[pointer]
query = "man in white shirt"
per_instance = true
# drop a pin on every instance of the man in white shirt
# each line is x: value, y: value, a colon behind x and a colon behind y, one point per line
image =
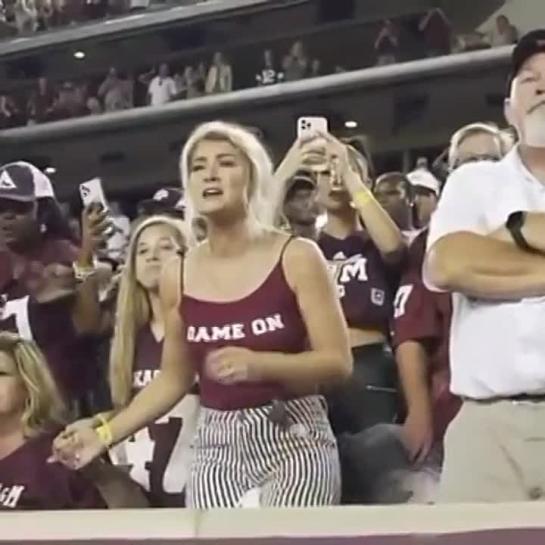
x: 487, y: 246
x: 162, y: 88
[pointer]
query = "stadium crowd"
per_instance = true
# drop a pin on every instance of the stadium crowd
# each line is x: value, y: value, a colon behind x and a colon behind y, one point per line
x: 120, y: 90
x: 283, y: 337
x: 24, y: 17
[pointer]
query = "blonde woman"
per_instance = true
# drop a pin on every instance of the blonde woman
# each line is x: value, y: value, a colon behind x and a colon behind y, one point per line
x: 258, y: 320
x: 30, y: 414
x: 158, y: 455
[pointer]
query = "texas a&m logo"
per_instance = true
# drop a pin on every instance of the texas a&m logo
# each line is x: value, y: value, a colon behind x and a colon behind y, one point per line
x: 347, y: 269
x: 10, y: 495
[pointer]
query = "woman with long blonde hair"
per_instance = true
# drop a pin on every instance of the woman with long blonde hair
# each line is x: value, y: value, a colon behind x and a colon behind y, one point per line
x: 254, y: 314
x: 31, y: 412
x: 157, y: 455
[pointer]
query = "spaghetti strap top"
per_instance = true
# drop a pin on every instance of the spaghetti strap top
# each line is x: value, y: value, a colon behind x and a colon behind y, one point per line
x: 266, y: 320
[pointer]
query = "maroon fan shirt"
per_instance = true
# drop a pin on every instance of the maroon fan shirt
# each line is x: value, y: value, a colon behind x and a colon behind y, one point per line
x: 48, y: 324
x: 27, y: 481
x: 424, y: 316
x: 159, y: 455
x: 362, y: 278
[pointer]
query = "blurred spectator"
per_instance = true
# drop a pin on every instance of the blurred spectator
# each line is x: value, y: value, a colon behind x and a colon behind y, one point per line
x: 41, y: 101
x: 179, y: 82
x: 69, y: 103
x: 387, y: 44
x: 504, y: 32
x: 49, y: 281
x: 26, y: 16
x: 476, y: 142
x: 220, y: 76
x: 394, y: 193
x: 93, y: 106
x: 116, y: 93
x: 436, y: 32
x: 120, y: 231
x: 162, y: 88
x: 426, y: 189
x: 268, y: 75
x: 9, y: 114
x: 316, y: 68
x: 45, y: 14
x: 194, y: 83
x: 300, y: 207
x: 296, y: 63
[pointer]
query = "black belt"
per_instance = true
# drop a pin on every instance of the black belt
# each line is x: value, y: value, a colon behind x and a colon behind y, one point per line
x: 528, y: 398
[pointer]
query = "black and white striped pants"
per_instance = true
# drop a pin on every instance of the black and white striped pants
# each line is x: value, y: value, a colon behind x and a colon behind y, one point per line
x: 243, y: 450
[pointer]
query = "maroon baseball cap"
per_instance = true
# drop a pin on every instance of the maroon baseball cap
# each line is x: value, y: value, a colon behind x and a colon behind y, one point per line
x: 529, y: 45
x: 17, y: 183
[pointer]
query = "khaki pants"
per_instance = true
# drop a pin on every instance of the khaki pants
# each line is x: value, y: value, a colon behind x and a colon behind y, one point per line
x: 495, y: 452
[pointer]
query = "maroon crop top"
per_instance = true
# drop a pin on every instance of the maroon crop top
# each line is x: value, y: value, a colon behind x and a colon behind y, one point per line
x: 267, y: 320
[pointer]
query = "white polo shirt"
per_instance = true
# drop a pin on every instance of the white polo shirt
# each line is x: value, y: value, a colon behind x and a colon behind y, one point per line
x: 497, y: 349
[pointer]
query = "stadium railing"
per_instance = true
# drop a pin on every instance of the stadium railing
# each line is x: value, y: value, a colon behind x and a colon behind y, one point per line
x: 492, y: 524
x: 368, y: 78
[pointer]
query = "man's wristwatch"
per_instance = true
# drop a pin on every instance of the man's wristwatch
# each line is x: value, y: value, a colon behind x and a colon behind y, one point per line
x: 514, y: 224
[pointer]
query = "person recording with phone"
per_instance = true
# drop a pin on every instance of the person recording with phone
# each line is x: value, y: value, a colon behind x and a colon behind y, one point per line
x: 363, y: 246
x: 49, y: 293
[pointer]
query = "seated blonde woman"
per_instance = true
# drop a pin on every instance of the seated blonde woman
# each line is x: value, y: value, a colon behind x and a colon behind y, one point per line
x: 31, y: 413
x: 157, y: 456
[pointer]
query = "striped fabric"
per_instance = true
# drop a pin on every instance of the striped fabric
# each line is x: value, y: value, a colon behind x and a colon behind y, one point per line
x: 244, y: 451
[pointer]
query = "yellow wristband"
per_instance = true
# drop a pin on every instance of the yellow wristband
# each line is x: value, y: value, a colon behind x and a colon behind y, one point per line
x: 102, y: 419
x: 361, y: 198
x: 105, y: 435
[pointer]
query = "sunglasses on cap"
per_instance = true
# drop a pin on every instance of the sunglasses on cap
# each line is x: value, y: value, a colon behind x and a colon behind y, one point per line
x: 15, y: 207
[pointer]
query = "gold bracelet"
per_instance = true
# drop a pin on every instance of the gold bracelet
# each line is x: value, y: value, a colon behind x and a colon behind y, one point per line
x: 105, y: 435
x: 362, y: 198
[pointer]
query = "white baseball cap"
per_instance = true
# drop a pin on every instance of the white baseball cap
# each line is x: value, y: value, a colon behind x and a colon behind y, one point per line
x: 424, y: 178
x: 42, y: 184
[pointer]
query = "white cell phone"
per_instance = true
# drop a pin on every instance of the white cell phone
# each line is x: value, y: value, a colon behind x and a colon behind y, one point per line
x: 307, y: 126
x: 92, y: 192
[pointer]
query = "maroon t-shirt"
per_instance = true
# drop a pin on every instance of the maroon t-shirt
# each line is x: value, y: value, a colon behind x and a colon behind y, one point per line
x: 267, y: 320
x: 48, y: 324
x: 27, y: 481
x: 364, y: 282
x: 424, y: 316
x: 159, y: 455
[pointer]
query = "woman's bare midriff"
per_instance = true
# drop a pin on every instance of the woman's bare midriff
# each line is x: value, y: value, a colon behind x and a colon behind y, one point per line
x: 364, y: 337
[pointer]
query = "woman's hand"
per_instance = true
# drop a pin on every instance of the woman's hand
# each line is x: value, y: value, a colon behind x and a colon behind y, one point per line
x: 339, y: 157
x: 305, y: 152
x: 232, y: 364
x: 78, y: 446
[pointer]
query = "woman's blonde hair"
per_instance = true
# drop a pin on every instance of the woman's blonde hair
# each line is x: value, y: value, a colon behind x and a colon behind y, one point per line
x: 44, y: 409
x: 133, y: 312
x: 504, y: 144
x: 261, y: 190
